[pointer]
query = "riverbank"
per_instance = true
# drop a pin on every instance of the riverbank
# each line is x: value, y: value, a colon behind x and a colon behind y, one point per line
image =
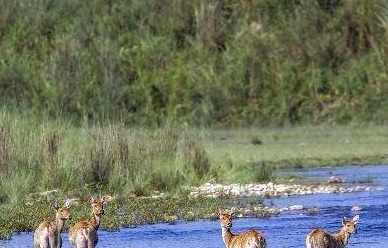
x: 39, y: 155
x: 200, y: 203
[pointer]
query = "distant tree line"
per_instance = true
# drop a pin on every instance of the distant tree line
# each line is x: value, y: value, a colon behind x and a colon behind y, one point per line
x: 200, y: 63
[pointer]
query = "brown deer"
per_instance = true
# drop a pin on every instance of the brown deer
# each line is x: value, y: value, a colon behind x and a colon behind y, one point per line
x: 248, y: 239
x: 84, y: 233
x: 48, y: 233
x: 319, y: 238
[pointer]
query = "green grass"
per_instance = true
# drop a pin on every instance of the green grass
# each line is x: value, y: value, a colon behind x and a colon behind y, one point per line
x: 303, y: 146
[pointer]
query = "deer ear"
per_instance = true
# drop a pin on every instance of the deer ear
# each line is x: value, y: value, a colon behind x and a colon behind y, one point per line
x: 68, y: 202
x: 56, y: 205
x: 232, y: 210
x: 356, y: 219
x: 344, y: 221
x: 218, y: 211
x: 106, y: 198
x: 92, y: 200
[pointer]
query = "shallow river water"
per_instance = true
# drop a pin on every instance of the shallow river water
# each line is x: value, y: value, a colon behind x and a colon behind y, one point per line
x: 285, y: 231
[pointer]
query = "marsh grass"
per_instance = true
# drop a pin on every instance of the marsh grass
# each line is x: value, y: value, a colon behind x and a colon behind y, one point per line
x: 263, y: 172
x: 40, y: 155
x: 43, y: 154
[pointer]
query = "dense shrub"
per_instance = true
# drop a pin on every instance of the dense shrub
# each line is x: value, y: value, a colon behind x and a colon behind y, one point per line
x: 204, y: 62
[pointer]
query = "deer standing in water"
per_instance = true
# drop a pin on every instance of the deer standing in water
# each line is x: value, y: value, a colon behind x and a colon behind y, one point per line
x: 319, y: 238
x: 84, y: 233
x: 48, y: 233
x: 248, y: 239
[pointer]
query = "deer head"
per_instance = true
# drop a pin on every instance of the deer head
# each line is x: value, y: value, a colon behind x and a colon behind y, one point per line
x: 350, y: 225
x: 226, y: 217
x: 98, y: 205
x: 63, y: 212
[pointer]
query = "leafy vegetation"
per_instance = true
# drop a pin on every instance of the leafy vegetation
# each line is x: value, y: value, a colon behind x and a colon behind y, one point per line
x: 202, y: 63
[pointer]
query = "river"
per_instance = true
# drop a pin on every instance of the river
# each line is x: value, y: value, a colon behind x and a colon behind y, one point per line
x: 287, y: 230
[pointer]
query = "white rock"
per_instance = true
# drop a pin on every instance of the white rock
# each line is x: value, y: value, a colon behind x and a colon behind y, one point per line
x: 296, y: 207
x: 356, y: 208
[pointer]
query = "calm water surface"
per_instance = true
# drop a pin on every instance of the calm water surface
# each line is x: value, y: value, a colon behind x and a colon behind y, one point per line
x: 284, y: 231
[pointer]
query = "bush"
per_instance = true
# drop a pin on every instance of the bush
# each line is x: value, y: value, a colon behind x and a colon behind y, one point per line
x: 255, y: 140
x: 263, y: 172
x: 196, y: 157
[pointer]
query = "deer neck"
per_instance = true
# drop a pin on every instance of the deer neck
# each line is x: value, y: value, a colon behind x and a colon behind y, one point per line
x: 342, y: 237
x: 95, y: 221
x: 60, y: 223
x: 227, y: 235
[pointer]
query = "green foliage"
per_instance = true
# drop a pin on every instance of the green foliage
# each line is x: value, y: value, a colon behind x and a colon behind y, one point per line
x: 203, y: 62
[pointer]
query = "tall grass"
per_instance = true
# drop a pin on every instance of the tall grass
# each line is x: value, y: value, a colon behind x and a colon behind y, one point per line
x: 205, y: 62
x: 39, y: 156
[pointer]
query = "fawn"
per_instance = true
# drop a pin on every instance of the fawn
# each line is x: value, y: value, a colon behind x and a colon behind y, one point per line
x: 48, y: 233
x: 248, y: 239
x: 84, y: 233
x: 319, y: 238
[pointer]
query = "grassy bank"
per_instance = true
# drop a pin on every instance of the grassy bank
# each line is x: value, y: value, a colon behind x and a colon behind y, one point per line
x: 38, y: 155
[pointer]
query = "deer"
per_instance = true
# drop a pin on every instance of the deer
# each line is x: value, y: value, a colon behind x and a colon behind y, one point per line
x: 249, y: 239
x: 48, y: 233
x: 84, y: 233
x: 335, y: 178
x: 319, y: 238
